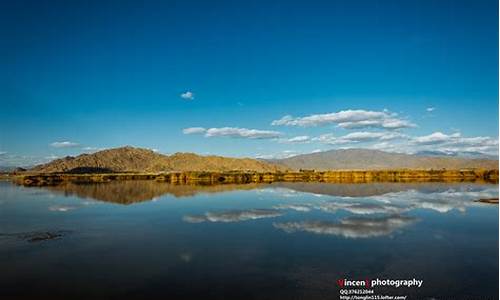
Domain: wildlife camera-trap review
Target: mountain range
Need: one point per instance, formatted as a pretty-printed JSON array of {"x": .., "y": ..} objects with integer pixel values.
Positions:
[
  {"x": 130, "y": 159},
  {"x": 365, "y": 159}
]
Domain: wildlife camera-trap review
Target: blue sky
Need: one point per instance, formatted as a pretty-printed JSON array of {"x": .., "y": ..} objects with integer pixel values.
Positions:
[{"x": 400, "y": 76}]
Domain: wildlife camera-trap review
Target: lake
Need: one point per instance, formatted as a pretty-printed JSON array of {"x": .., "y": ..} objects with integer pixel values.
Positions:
[{"x": 144, "y": 240}]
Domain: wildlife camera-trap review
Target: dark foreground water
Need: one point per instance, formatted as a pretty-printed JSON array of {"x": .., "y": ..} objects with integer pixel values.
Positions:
[{"x": 148, "y": 240}]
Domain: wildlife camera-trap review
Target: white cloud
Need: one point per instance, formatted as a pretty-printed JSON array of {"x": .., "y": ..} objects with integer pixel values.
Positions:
[
  {"x": 187, "y": 95},
  {"x": 278, "y": 155},
  {"x": 92, "y": 149},
  {"x": 302, "y": 139},
  {"x": 15, "y": 160},
  {"x": 385, "y": 140},
  {"x": 64, "y": 144},
  {"x": 390, "y": 146},
  {"x": 348, "y": 119},
  {"x": 234, "y": 132},
  {"x": 357, "y": 137},
  {"x": 3, "y": 152},
  {"x": 285, "y": 154},
  {"x": 242, "y": 133},
  {"x": 435, "y": 138},
  {"x": 437, "y": 142},
  {"x": 329, "y": 139},
  {"x": 455, "y": 143},
  {"x": 385, "y": 124},
  {"x": 430, "y": 109},
  {"x": 370, "y": 136},
  {"x": 194, "y": 130}
]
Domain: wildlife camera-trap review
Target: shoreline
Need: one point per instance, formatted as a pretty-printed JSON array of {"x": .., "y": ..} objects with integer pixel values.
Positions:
[{"x": 340, "y": 176}]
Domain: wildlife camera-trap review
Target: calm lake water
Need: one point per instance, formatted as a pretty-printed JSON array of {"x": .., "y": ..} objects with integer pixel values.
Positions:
[{"x": 148, "y": 240}]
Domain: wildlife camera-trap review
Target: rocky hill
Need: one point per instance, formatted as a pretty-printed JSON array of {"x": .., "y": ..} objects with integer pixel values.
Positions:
[
  {"x": 365, "y": 159},
  {"x": 130, "y": 159}
]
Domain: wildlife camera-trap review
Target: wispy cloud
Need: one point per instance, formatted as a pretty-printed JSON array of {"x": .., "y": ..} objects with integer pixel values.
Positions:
[
  {"x": 242, "y": 133},
  {"x": 382, "y": 130},
  {"x": 64, "y": 144},
  {"x": 187, "y": 95},
  {"x": 16, "y": 160},
  {"x": 233, "y": 132},
  {"x": 302, "y": 139},
  {"x": 348, "y": 119},
  {"x": 455, "y": 143},
  {"x": 394, "y": 141},
  {"x": 278, "y": 155},
  {"x": 436, "y": 138},
  {"x": 356, "y": 137},
  {"x": 430, "y": 109},
  {"x": 194, "y": 130}
]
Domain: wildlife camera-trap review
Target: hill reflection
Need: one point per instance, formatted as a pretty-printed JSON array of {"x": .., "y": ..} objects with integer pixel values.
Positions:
[{"x": 134, "y": 191}]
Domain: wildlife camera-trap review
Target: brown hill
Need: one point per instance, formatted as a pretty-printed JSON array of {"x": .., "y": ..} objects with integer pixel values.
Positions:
[
  {"x": 130, "y": 159},
  {"x": 364, "y": 159}
]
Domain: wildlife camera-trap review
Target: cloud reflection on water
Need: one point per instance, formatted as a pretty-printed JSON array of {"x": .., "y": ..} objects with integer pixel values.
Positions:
[
  {"x": 371, "y": 216},
  {"x": 372, "y": 210},
  {"x": 62, "y": 208},
  {"x": 442, "y": 202},
  {"x": 233, "y": 216},
  {"x": 351, "y": 227},
  {"x": 361, "y": 208},
  {"x": 297, "y": 207}
]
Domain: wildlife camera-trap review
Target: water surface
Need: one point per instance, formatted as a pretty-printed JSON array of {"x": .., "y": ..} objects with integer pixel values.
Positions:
[{"x": 143, "y": 239}]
